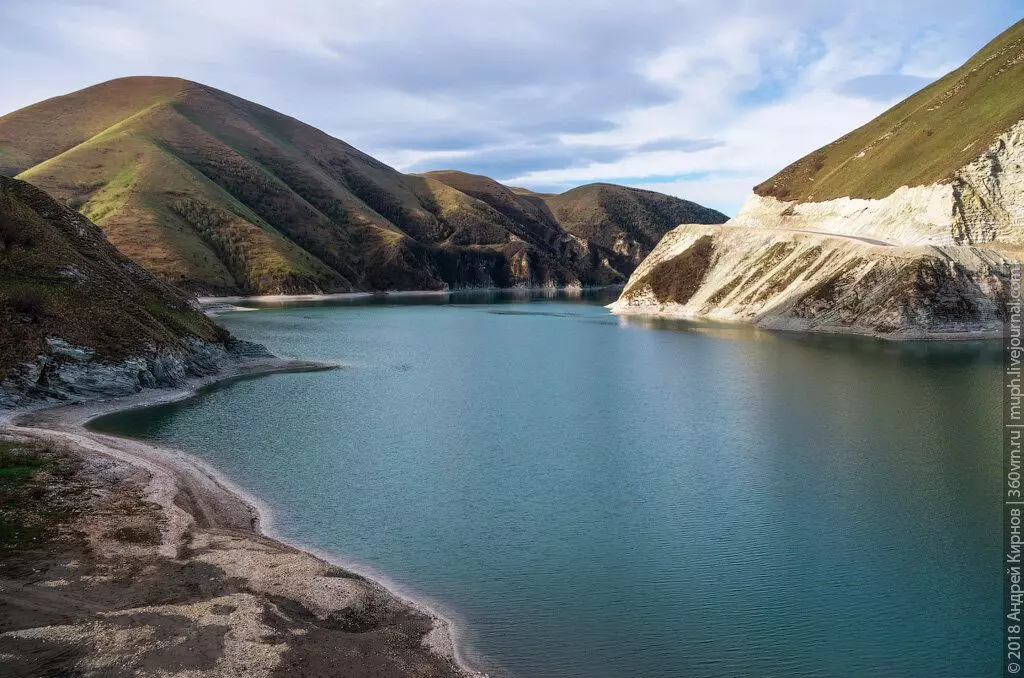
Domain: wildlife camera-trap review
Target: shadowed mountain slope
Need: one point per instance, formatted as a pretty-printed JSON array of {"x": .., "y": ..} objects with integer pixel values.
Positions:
[
  {"x": 67, "y": 296},
  {"x": 624, "y": 223}
]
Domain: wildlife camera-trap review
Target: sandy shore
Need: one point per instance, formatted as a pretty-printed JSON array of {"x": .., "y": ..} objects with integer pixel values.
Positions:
[{"x": 276, "y": 610}]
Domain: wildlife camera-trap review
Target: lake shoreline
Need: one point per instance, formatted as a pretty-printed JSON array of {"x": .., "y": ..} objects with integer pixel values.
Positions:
[
  {"x": 217, "y": 305},
  {"x": 196, "y": 499}
]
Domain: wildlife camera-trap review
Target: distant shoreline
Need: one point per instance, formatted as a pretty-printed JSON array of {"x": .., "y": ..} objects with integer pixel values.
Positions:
[
  {"x": 210, "y": 299},
  {"x": 215, "y": 306},
  {"x": 175, "y": 473}
]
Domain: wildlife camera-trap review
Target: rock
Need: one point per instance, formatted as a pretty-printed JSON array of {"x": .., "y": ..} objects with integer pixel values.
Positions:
[
  {"x": 70, "y": 372},
  {"x": 795, "y": 280},
  {"x": 983, "y": 203},
  {"x": 924, "y": 262}
]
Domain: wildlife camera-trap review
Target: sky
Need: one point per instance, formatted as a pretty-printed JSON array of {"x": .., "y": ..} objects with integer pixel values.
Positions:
[{"x": 699, "y": 99}]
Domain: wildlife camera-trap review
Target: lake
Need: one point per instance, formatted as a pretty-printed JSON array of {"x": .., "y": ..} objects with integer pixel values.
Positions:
[{"x": 596, "y": 497}]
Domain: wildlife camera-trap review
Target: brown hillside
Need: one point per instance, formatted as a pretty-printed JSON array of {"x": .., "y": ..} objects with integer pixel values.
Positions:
[
  {"x": 623, "y": 223},
  {"x": 60, "y": 278},
  {"x": 219, "y": 194}
]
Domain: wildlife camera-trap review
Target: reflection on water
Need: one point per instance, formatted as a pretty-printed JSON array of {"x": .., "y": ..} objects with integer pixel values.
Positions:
[{"x": 988, "y": 351}]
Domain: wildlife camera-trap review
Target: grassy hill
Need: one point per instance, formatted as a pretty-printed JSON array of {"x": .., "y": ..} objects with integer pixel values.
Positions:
[
  {"x": 623, "y": 223},
  {"x": 60, "y": 278},
  {"x": 218, "y": 194},
  {"x": 602, "y": 212},
  {"x": 922, "y": 140}
]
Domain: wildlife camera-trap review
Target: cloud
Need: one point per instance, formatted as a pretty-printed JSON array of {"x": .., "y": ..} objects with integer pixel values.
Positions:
[
  {"x": 678, "y": 144},
  {"x": 883, "y": 86},
  {"x": 512, "y": 161},
  {"x": 545, "y": 92}
]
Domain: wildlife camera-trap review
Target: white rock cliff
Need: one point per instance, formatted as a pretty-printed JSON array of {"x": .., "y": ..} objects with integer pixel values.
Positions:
[{"x": 925, "y": 262}]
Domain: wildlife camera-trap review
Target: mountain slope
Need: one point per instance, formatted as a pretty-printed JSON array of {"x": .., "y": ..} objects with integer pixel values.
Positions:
[
  {"x": 70, "y": 300},
  {"x": 219, "y": 194},
  {"x": 625, "y": 220},
  {"x": 924, "y": 139},
  {"x": 800, "y": 281},
  {"x": 906, "y": 228},
  {"x": 623, "y": 223}
]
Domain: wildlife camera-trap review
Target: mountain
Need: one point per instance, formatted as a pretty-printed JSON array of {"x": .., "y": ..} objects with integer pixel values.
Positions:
[
  {"x": 220, "y": 195},
  {"x": 905, "y": 228},
  {"x": 71, "y": 303},
  {"x": 623, "y": 224},
  {"x": 922, "y": 140}
]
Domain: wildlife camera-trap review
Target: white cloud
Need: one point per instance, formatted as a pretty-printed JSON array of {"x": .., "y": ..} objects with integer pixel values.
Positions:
[{"x": 724, "y": 193}]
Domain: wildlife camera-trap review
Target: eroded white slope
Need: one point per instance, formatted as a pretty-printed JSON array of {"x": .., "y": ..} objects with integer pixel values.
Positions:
[
  {"x": 793, "y": 280},
  {"x": 925, "y": 262},
  {"x": 983, "y": 203}
]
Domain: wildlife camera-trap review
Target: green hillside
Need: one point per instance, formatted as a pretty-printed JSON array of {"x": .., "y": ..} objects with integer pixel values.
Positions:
[
  {"x": 221, "y": 195},
  {"x": 922, "y": 140}
]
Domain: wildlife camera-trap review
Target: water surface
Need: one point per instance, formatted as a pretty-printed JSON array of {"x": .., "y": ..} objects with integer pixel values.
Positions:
[{"x": 598, "y": 498}]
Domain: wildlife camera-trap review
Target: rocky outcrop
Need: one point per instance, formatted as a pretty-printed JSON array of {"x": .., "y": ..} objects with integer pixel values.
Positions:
[
  {"x": 74, "y": 373},
  {"x": 988, "y": 194},
  {"x": 79, "y": 320},
  {"x": 795, "y": 280},
  {"x": 925, "y": 262}
]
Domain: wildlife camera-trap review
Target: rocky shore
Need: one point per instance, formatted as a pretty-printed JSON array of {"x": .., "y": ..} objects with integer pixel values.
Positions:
[{"x": 121, "y": 558}]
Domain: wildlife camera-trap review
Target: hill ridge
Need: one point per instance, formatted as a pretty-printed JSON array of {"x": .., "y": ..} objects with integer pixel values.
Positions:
[
  {"x": 222, "y": 195},
  {"x": 919, "y": 141}
]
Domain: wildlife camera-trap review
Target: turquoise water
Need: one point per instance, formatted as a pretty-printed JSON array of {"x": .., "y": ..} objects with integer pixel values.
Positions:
[{"x": 594, "y": 497}]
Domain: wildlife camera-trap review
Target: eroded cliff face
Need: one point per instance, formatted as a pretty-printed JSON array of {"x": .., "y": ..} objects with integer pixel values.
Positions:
[
  {"x": 801, "y": 281},
  {"x": 925, "y": 262},
  {"x": 988, "y": 194}
]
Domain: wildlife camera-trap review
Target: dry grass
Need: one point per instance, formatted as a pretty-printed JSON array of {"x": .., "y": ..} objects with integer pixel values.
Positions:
[
  {"x": 678, "y": 279},
  {"x": 39, "y": 132}
]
